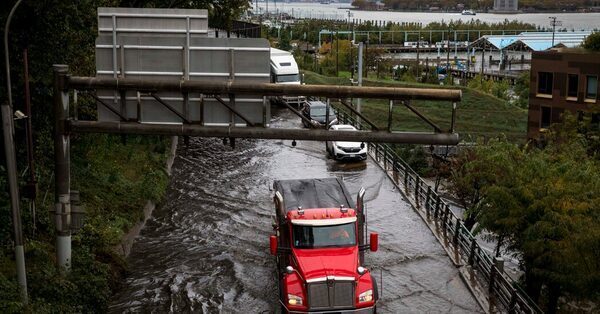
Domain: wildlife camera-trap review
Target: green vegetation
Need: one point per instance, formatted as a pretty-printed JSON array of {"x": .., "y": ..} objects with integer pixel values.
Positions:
[
  {"x": 115, "y": 175},
  {"x": 592, "y": 42},
  {"x": 221, "y": 13},
  {"x": 115, "y": 180},
  {"x": 498, "y": 89},
  {"x": 478, "y": 114},
  {"x": 543, "y": 204},
  {"x": 308, "y": 30},
  {"x": 521, "y": 90}
]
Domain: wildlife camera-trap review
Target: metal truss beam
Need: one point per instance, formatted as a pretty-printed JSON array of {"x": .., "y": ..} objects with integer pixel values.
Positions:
[
  {"x": 232, "y": 109},
  {"x": 261, "y": 133},
  {"x": 263, "y": 89}
]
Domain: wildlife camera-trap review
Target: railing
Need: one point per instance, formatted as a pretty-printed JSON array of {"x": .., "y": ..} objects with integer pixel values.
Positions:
[{"x": 503, "y": 291}]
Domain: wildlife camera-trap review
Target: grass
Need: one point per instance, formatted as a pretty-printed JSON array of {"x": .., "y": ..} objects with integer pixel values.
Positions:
[
  {"x": 116, "y": 178},
  {"x": 478, "y": 114}
]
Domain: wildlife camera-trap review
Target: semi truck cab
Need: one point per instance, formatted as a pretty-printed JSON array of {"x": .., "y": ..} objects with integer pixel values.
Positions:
[
  {"x": 284, "y": 70},
  {"x": 319, "y": 248}
]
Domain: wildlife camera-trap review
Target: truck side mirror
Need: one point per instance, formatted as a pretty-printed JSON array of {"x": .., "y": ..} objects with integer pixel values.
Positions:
[
  {"x": 374, "y": 241},
  {"x": 273, "y": 244},
  {"x": 362, "y": 145}
]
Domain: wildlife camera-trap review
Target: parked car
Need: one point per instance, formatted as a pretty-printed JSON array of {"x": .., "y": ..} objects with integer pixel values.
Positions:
[
  {"x": 315, "y": 111},
  {"x": 346, "y": 150}
]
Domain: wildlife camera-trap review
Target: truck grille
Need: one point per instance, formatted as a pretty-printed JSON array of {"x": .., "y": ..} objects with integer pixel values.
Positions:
[{"x": 327, "y": 295}]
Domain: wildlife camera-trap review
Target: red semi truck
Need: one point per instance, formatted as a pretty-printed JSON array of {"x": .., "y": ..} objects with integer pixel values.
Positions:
[{"x": 319, "y": 246}]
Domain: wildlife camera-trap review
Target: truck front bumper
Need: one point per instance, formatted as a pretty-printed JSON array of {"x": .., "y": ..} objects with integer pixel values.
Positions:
[
  {"x": 364, "y": 310},
  {"x": 298, "y": 100}
]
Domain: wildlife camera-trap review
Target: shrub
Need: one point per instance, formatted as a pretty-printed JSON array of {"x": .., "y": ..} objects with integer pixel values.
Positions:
[{"x": 592, "y": 42}]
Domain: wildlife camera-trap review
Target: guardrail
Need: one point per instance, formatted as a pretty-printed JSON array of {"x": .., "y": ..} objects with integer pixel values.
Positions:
[{"x": 502, "y": 290}]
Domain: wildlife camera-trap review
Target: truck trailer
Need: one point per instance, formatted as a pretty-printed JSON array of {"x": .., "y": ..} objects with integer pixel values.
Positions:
[
  {"x": 284, "y": 70},
  {"x": 319, "y": 246}
]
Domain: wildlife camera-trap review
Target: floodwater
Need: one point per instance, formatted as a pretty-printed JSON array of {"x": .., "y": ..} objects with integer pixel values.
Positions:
[{"x": 205, "y": 250}]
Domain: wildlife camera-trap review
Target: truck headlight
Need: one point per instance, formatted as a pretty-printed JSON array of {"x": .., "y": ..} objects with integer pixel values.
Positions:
[
  {"x": 366, "y": 296},
  {"x": 294, "y": 299}
]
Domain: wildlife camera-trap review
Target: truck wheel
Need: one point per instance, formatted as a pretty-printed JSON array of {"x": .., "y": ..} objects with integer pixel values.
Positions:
[{"x": 375, "y": 289}]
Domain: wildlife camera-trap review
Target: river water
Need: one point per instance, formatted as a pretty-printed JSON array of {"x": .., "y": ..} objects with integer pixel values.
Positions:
[
  {"x": 205, "y": 250},
  {"x": 570, "y": 21}
]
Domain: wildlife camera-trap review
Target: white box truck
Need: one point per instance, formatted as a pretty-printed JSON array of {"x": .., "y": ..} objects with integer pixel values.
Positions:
[{"x": 284, "y": 70}]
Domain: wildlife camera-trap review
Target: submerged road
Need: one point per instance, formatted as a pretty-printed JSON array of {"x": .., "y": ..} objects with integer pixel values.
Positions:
[{"x": 206, "y": 249}]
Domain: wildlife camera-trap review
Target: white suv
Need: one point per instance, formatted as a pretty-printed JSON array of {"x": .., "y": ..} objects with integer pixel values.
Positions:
[{"x": 346, "y": 150}]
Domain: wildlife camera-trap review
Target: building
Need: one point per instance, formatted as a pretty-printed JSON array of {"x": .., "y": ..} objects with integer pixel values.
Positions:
[
  {"x": 531, "y": 41},
  {"x": 506, "y": 6},
  {"x": 563, "y": 79}
]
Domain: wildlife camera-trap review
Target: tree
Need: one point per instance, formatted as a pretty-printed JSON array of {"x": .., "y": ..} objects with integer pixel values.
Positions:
[
  {"x": 284, "y": 41},
  {"x": 592, "y": 42},
  {"x": 521, "y": 90},
  {"x": 544, "y": 205},
  {"x": 473, "y": 170},
  {"x": 337, "y": 51},
  {"x": 222, "y": 13}
]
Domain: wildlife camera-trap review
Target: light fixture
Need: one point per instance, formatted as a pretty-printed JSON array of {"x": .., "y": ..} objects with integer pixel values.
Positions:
[{"x": 19, "y": 115}]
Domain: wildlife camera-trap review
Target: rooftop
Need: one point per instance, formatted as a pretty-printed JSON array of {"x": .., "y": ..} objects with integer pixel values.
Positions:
[{"x": 531, "y": 41}]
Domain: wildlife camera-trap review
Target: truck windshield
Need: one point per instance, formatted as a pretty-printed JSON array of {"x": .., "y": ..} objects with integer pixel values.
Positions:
[
  {"x": 288, "y": 78},
  {"x": 318, "y": 111},
  {"x": 309, "y": 237}
]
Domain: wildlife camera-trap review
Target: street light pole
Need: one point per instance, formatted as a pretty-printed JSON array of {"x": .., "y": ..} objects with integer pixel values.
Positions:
[
  {"x": 418, "y": 61},
  {"x": 11, "y": 167}
]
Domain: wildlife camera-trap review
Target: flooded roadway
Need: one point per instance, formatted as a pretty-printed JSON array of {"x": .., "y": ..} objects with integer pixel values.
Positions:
[{"x": 206, "y": 249}]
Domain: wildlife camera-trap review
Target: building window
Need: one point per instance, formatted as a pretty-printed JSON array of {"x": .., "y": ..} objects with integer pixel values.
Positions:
[
  {"x": 572, "y": 85},
  {"x": 545, "y": 83},
  {"x": 591, "y": 90},
  {"x": 595, "y": 118},
  {"x": 595, "y": 121},
  {"x": 546, "y": 116}
]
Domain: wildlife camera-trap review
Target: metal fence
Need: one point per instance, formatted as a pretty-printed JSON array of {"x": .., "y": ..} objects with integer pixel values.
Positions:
[{"x": 504, "y": 293}]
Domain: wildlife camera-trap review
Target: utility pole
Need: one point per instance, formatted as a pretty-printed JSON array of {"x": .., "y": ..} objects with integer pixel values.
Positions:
[
  {"x": 554, "y": 23},
  {"x": 351, "y": 61},
  {"x": 366, "y": 57},
  {"x": 418, "y": 61},
  {"x": 11, "y": 167},
  {"x": 448, "y": 57},
  {"x": 337, "y": 52},
  {"x": 62, "y": 170},
  {"x": 482, "y": 64},
  {"x": 360, "y": 74}
]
